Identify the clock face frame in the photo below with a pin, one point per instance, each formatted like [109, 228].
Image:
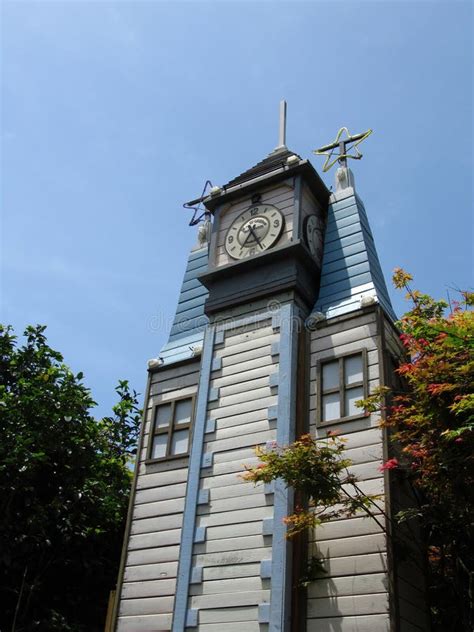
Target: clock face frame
[314, 236]
[255, 230]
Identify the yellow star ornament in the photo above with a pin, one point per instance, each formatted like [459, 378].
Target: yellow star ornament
[342, 144]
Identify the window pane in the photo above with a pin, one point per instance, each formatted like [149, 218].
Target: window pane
[330, 375]
[163, 416]
[182, 411]
[353, 369]
[351, 396]
[179, 442]
[331, 408]
[159, 446]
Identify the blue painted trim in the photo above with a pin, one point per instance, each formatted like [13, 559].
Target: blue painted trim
[266, 569]
[213, 394]
[348, 271]
[200, 535]
[192, 490]
[217, 364]
[264, 613]
[207, 459]
[190, 315]
[189, 327]
[220, 336]
[203, 497]
[195, 271]
[193, 292]
[188, 305]
[210, 426]
[192, 616]
[272, 413]
[280, 605]
[267, 526]
[276, 321]
[184, 339]
[269, 488]
[275, 348]
[196, 575]
[191, 284]
[350, 259]
[274, 378]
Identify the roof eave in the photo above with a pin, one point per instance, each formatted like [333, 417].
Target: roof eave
[304, 167]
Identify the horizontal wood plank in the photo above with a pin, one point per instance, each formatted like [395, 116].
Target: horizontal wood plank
[228, 572]
[345, 586]
[235, 585]
[348, 528]
[151, 540]
[352, 546]
[352, 565]
[229, 615]
[148, 480]
[348, 606]
[155, 494]
[241, 543]
[232, 558]
[231, 517]
[175, 505]
[153, 556]
[370, 623]
[226, 600]
[166, 570]
[141, 589]
[150, 623]
[152, 605]
[160, 523]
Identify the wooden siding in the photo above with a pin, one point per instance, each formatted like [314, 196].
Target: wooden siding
[351, 267]
[353, 595]
[231, 588]
[281, 196]
[149, 582]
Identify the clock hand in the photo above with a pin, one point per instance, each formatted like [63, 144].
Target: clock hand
[251, 230]
[246, 239]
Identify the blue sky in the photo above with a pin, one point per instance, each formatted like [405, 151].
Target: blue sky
[115, 113]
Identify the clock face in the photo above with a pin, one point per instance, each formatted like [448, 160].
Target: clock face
[314, 236]
[254, 231]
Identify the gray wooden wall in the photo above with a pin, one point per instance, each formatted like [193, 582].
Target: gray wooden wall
[232, 589]
[354, 593]
[149, 582]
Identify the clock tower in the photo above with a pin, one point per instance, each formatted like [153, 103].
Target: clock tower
[283, 322]
[267, 233]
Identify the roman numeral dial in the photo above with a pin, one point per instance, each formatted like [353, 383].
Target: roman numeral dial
[254, 231]
[314, 233]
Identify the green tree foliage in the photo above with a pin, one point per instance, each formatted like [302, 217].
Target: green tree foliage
[431, 423]
[317, 470]
[64, 487]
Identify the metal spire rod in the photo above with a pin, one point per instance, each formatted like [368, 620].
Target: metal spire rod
[282, 130]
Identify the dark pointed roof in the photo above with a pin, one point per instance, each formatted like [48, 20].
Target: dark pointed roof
[273, 161]
[276, 165]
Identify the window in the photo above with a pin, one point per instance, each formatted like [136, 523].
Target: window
[341, 382]
[171, 429]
